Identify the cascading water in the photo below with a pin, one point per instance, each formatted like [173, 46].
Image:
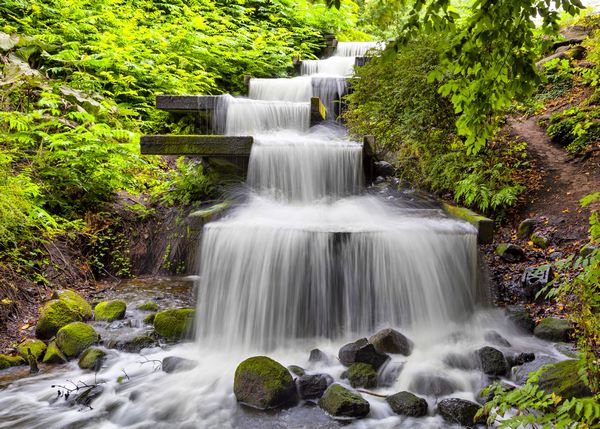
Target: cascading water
[306, 261]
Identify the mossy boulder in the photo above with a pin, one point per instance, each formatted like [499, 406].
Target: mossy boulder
[341, 403]
[110, 310]
[492, 361]
[53, 354]
[563, 379]
[75, 337]
[553, 329]
[362, 351]
[526, 228]
[175, 323]
[407, 404]
[361, 375]
[263, 383]
[6, 361]
[92, 358]
[539, 240]
[37, 348]
[132, 344]
[149, 319]
[148, 306]
[519, 316]
[510, 252]
[54, 315]
[75, 301]
[296, 370]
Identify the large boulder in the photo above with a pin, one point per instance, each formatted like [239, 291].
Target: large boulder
[92, 358]
[362, 351]
[6, 361]
[175, 323]
[53, 354]
[75, 301]
[391, 341]
[341, 403]
[361, 375]
[553, 329]
[458, 411]
[434, 385]
[296, 370]
[520, 317]
[563, 380]
[109, 311]
[262, 383]
[36, 347]
[317, 355]
[510, 252]
[172, 364]
[492, 361]
[54, 315]
[74, 338]
[313, 386]
[407, 404]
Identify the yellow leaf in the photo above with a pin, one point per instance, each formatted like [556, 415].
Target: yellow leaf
[25, 326]
[565, 211]
[530, 243]
[6, 301]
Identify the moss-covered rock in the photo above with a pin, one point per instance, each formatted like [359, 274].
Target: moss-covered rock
[37, 348]
[75, 301]
[459, 411]
[553, 329]
[110, 310]
[526, 228]
[53, 354]
[175, 323]
[519, 315]
[6, 361]
[92, 358]
[296, 370]
[339, 402]
[54, 315]
[563, 379]
[75, 337]
[262, 383]
[539, 240]
[149, 319]
[492, 361]
[510, 252]
[407, 404]
[391, 341]
[148, 306]
[361, 375]
[132, 344]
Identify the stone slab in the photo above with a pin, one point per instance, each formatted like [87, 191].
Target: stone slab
[199, 145]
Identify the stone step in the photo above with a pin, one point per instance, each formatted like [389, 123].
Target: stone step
[485, 226]
[199, 145]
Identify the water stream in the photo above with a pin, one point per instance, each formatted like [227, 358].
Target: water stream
[308, 260]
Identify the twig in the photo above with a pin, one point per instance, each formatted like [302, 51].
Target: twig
[379, 395]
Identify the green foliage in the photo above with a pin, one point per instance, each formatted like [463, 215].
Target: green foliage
[189, 183]
[411, 121]
[576, 128]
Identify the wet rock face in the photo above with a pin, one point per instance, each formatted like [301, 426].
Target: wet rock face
[391, 341]
[521, 373]
[313, 386]
[75, 301]
[495, 338]
[92, 359]
[520, 359]
[172, 364]
[520, 317]
[263, 383]
[407, 404]
[175, 323]
[461, 361]
[526, 228]
[492, 361]
[433, 385]
[362, 351]
[553, 329]
[132, 345]
[36, 347]
[340, 402]
[53, 354]
[458, 411]
[317, 355]
[384, 169]
[361, 375]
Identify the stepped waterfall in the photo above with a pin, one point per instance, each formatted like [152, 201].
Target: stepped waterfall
[309, 259]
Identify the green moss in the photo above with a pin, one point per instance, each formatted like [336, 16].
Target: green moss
[361, 375]
[54, 315]
[7, 361]
[148, 306]
[563, 379]
[75, 301]
[53, 354]
[296, 370]
[338, 401]
[553, 329]
[149, 319]
[92, 358]
[37, 348]
[110, 310]
[75, 337]
[175, 323]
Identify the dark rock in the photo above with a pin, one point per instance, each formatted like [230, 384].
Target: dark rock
[563, 380]
[586, 65]
[317, 355]
[296, 370]
[540, 240]
[384, 169]
[391, 341]
[407, 404]
[172, 364]
[520, 359]
[88, 395]
[560, 55]
[587, 250]
[497, 339]
[526, 228]
[341, 403]
[313, 386]
[390, 374]
[461, 361]
[361, 375]
[132, 345]
[362, 351]
[433, 385]
[553, 329]
[262, 383]
[519, 316]
[574, 34]
[577, 52]
[534, 279]
[492, 361]
[458, 411]
[555, 256]
[510, 252]
[521, 373]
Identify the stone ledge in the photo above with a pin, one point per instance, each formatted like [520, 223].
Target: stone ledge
[484, 225]
[200, 145]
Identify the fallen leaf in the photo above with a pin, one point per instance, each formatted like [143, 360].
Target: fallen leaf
[25, 326]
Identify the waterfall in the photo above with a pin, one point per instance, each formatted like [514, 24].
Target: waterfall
[355, 49]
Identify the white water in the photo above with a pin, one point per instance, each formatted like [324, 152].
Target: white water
[307, 261]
